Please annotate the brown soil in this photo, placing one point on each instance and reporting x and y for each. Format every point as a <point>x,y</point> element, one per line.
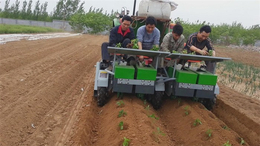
<point>46,98</point>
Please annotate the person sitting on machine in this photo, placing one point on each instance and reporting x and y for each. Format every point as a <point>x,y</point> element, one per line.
<point>198,41</point>
<point>119,34</point>
<point>148,35</point>
<point>172,41</point>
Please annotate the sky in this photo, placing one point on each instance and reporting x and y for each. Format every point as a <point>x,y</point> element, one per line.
<point>246,12</point>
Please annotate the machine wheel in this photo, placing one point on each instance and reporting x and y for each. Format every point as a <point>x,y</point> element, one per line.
<point>102,95</point>
<point>157,100</point>
<point>208,103</point>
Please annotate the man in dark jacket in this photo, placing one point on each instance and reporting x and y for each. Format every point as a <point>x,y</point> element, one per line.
<point>196,43</point>
<point>119,34</point>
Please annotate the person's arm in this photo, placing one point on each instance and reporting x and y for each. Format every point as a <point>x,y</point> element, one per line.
<point>112,38</point>
<point>157,37</point>
<point>140,36</point>
<point>191,47</point>
<point>210,47</point>
<point>181,46</point>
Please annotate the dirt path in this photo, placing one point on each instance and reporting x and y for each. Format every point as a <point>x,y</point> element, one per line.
<point>46,89</point>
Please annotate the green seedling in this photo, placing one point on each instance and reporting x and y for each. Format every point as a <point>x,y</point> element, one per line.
<point>126,141</point>
<point>120,103</point>
<point>159,132</point>
<point>186,110</point>
<point>153,116</point>
<point>121,125</point>
<point>210,52</point>
<point>122,113</point>
<point>148,107</point>
<point>145,102</point>
<point>118,45</point>
<point>227,144</point>
<point>173,51</point>
<point>209,133</point>
<point>196,122</point>
<point>179,101</point>
<point>242,141</point>
<point>184,52</point>
<point>225,127</point>
<point>155,48</point>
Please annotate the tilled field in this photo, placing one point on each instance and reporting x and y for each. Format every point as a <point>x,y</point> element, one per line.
<point>46,98</point>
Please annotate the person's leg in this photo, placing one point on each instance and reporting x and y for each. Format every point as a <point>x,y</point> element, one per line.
<point>211,66</point>
<point>104,53</point>
<point>125,42</point>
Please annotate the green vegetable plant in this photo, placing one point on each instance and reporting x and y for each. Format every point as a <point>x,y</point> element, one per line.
<point>121,125</point>
<point>155,48</point>
<point>122,113</point>
<point>186,110</point>
<point>242,141</point>
<point>196,122</point>
<point>153,116</point>
<point>134,43</point>
<point>209,133</point>
<point>126,141</point>
<point>120,103</point>
<point>210,52</point>
<point>118,45</point>
<point>227,144</point>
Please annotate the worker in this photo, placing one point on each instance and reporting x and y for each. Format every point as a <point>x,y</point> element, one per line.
<point>148,35</point>
<point>119,34</point>
<point>198,41</point>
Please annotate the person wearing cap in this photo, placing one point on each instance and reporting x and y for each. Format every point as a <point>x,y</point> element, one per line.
<point>119,34</point>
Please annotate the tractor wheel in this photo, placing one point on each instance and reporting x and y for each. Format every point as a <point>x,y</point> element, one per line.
<point>208,103</point>
<point>102,95</point>
<point>157,100</point>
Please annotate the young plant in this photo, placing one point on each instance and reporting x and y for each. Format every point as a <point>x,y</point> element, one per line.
<point>209,133</point>
<point>227,144</point>
<point>159,132</point>
<point>242,142</point>
<point>120,103</point>
<point>153,116</point>
<point>121,125</point>
<point>179,101</point>
<point>126,141</point>
<point>186,110</point>
<point>122,113</point>
<point>148,107</point>
<point>196,122</point>
<point>225,127</point>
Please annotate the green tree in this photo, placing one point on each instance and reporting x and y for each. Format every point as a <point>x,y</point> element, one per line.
<point>23,12</point>
<point>29,10</point>
<point>36,11</point>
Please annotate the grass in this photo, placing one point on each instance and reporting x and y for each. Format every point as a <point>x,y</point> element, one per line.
<point>11,29</point>
<point>239,76</point>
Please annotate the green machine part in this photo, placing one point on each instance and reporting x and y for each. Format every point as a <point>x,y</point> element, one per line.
<point>206,78</point>
<point>124,72</point>
<point>146,73</point>
<point>186,76</point>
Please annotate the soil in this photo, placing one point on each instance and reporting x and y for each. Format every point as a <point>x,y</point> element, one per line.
<point>46,99</point>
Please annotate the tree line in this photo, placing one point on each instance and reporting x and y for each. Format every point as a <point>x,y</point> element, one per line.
<point>98,20</point>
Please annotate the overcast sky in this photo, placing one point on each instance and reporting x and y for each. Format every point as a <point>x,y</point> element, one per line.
<point>246,12</point>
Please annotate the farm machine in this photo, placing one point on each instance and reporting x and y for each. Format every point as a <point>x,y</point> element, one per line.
<point>143,80</point>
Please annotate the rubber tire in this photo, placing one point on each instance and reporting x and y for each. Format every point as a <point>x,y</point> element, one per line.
<point>209,103</point>
<point>102,94</point>
<point>157,100</point>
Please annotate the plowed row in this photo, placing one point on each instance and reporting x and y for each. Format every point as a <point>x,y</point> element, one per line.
<point>46,98</point>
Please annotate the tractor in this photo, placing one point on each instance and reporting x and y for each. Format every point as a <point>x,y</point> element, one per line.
<point>144,81</point>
